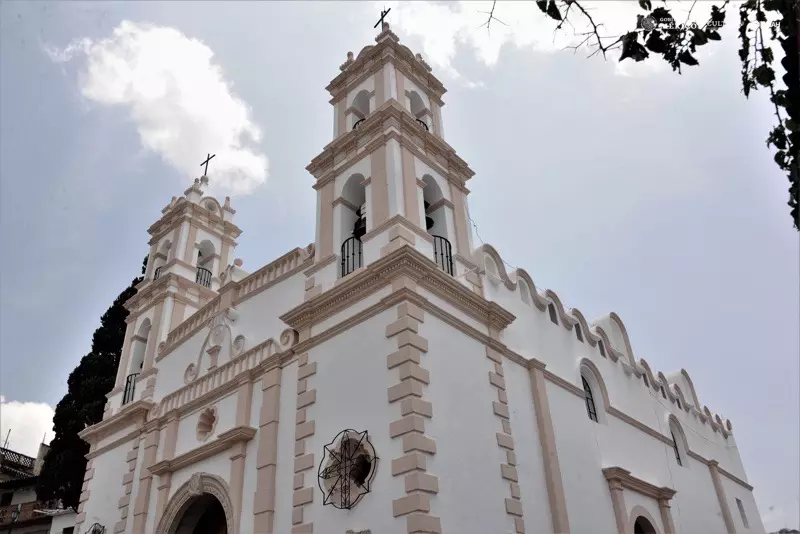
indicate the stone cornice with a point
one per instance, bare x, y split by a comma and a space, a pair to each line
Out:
623, 478
164, 282
405, 261
130, 414
196, 214
375, 56
401, 125
223, 442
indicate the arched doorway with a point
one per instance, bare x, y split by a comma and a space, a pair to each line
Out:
200, 506
642, 525
204, 515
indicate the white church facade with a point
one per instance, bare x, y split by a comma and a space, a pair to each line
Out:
390, 377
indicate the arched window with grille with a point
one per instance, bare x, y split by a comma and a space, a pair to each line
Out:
679, 445
591, 408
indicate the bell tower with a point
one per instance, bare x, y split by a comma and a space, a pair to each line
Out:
190, 247
388, 178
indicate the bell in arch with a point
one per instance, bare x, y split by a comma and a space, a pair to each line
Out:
360, 227
428, 220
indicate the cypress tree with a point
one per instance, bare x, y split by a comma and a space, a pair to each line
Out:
64, 466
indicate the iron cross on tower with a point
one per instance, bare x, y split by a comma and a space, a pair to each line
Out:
383, 15
209, 157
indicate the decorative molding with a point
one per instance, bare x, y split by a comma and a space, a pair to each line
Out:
130, 414
199, 484
628, 481
304, 460
405, 261
223, 442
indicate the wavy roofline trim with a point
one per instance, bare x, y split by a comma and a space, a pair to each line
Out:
594, 333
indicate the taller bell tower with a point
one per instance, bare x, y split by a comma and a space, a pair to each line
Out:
388, 178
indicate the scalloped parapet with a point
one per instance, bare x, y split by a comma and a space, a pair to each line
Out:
609, 329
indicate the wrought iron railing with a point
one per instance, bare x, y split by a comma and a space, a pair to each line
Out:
358, 123
130, 388
423, 124
443, 254
157, 273
351, 255
203, 277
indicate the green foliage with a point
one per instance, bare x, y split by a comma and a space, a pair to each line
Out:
658, 33
83, 405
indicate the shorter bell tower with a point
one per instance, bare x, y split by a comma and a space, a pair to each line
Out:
190, 247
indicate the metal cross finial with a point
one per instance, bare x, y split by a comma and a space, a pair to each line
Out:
208, 158
384, 12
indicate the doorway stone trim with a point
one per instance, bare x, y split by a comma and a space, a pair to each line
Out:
199, 484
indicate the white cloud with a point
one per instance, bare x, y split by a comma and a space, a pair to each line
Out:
444, 26
179, 99
29, 422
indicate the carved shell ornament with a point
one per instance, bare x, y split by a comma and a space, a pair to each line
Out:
220, 330
206, 423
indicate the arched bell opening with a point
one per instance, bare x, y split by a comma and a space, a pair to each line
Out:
360, 108
205, 263
350, 214
161, 258
436, 223
419, 110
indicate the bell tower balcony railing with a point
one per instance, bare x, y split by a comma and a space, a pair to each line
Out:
351, 255
358, 123
130, 388
157, 273
422, 124
203, 277
443, 254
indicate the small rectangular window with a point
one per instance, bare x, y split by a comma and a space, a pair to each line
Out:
602, 349
5, 499
741, 512
578, 333
552, 310
644, 377
678, 400
663, 393
68, 530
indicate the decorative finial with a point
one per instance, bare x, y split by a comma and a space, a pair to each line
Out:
209, 157
349, 56
227, 202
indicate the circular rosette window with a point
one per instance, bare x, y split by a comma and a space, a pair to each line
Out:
347, 469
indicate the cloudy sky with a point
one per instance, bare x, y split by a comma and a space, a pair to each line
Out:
638, 190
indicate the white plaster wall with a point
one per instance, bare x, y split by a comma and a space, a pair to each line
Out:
137, 473
372, 247
187, 427
695, 507
357, 307
394, 175
532, 334
390, 75
105, 488
579, 456
472, 491
530, 463
61, 522
734, 491
352, 381
284, 472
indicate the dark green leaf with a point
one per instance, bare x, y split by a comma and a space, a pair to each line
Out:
645, 4
542, 5
760, 16
552, 10
686, 57
777, 137
656, 44
764, 75
698, 37
631, 48
766, 55
713, 35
